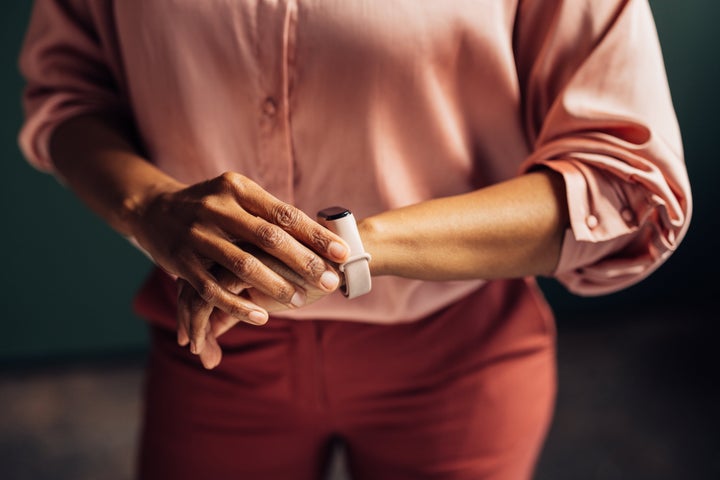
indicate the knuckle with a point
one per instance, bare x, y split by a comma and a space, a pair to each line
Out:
319, 240
314, 266
233, 181
269, 236
205, 203
285, 215
208, 291
237, 310
209, 204
245, 266
228, 177
284, 293
194, 231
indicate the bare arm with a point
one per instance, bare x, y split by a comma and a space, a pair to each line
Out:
187, 229
511, 229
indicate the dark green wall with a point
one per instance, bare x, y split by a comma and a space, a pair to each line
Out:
67, 279
690, 39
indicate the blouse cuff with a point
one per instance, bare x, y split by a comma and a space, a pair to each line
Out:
609, 245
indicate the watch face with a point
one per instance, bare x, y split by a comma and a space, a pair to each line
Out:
333, 213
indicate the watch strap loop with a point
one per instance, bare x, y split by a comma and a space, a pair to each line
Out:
355, 258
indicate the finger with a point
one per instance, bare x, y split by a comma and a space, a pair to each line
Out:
318, 238
270, 235
299, 258
221, 322
183, 338
214, 294
250, 270
212, 353
188, 303
193, 315
259, 298
229, 281
274, 264
259, 202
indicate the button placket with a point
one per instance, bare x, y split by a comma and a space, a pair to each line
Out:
275, 168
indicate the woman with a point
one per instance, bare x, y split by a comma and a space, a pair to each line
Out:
480, 143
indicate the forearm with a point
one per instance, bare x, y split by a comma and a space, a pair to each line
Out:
511, 229
95, 157
195, 231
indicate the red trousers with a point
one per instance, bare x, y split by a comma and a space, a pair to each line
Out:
466, 393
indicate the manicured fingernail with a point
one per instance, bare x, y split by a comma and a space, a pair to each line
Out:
257, 317
298, 300
329, 280
337, 250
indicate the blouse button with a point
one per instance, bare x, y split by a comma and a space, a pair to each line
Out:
627, 215
592, 221
269, 107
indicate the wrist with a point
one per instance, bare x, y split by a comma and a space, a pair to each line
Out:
356, 269
135, 204
371, 232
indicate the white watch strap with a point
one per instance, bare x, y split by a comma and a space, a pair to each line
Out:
357, 267
357, 275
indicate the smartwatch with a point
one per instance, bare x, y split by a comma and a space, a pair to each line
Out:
356, 268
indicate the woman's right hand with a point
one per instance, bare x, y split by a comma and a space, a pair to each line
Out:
188, 229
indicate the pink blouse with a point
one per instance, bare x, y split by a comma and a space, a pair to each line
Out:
376, 104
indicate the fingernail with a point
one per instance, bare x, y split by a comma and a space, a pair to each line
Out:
258, 318
337, 250
298, 300
329, 280
193, 347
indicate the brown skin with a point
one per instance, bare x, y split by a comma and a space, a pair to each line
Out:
507, 230
188, 229
239, 252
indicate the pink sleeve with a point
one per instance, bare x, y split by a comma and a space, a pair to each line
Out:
598, 111
64, 62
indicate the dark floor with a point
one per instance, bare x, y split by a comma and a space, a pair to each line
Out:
638, 400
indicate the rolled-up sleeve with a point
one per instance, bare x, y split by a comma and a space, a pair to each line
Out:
598, 111
65, 62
